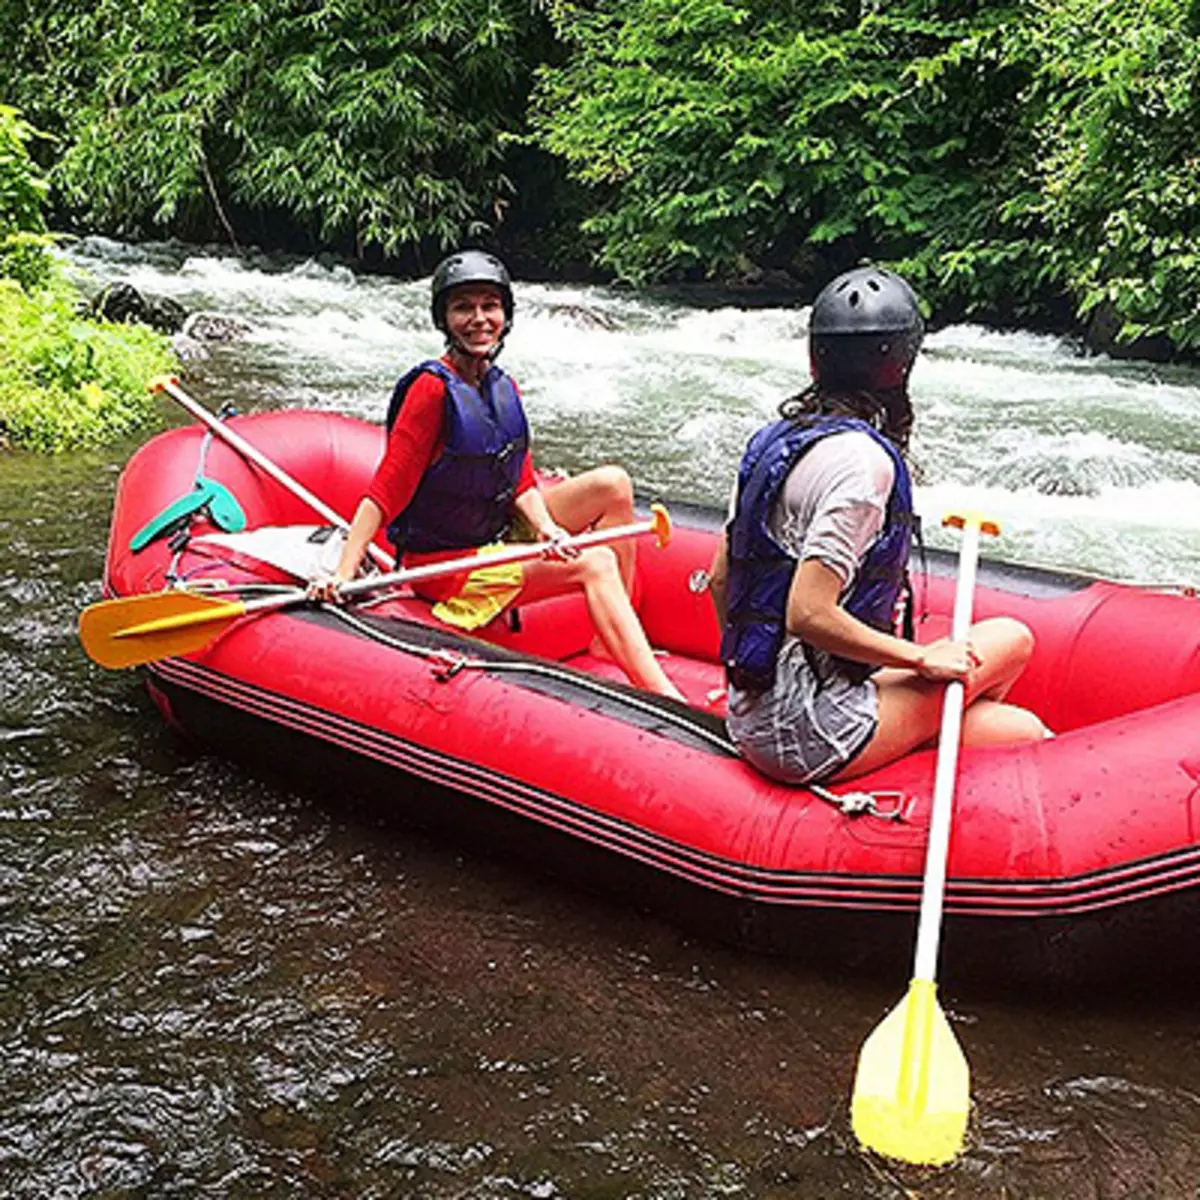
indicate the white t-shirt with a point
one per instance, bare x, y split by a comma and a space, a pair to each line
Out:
812, 719
834, 501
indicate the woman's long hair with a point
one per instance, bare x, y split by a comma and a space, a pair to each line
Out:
888, 410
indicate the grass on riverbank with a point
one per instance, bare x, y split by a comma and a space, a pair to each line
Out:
70, 382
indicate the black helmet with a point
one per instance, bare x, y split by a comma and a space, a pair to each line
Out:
864, 331
470, 266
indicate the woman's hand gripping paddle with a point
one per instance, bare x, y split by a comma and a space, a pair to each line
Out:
912, 1090
141, 629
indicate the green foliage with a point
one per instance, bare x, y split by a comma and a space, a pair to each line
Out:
1016, 157
369, 124
720, 130
67, 382
1118, 180
24, 241
1004, 154
22, 189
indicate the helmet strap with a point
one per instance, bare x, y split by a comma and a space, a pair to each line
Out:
455, 347
458, 348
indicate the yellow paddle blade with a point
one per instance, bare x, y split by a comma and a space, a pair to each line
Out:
141, 629
912, 1090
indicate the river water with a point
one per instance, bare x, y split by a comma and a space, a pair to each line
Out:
216, 987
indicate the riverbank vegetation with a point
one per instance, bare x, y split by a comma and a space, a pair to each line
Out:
66, 380
1031, 163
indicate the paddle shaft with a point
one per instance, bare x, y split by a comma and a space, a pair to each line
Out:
519, 552
170, 385
912, 1088
233, 610
937, 852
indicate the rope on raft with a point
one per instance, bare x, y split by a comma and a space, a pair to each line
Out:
884, 805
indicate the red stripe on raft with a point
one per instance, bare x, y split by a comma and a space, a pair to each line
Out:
965, 897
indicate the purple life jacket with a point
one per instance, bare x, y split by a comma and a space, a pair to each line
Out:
465, 498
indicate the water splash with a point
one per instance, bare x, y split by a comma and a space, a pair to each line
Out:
1094, 463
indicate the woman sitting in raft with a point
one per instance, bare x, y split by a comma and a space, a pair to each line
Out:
457, 475
813, 569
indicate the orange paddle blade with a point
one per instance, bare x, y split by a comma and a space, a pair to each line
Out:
140, 629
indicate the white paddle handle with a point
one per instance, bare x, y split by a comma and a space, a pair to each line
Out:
521, 552
933, 892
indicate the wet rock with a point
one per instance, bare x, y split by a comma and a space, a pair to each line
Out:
1104, 331
583, 317
123, 302
755, 278
1062, 483
215, 327
188, 349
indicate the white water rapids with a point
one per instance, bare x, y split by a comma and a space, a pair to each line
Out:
1089, 463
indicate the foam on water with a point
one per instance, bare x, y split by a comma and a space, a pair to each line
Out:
1094, 464
1161, 505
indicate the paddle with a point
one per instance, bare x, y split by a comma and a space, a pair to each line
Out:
170, 385
222, 505
171, 517
140, 629
912, 1090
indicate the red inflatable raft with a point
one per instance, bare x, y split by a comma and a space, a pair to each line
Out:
1077, 853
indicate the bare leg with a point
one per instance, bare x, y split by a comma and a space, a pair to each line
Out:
596, 571
991, 723
1004, 646
910, 708
600, 499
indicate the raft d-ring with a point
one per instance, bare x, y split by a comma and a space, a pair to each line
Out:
445, 664
886, 806
889, 806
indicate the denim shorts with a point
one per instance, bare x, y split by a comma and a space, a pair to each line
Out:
806, 726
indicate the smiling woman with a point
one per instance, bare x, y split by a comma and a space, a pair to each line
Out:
457, 476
